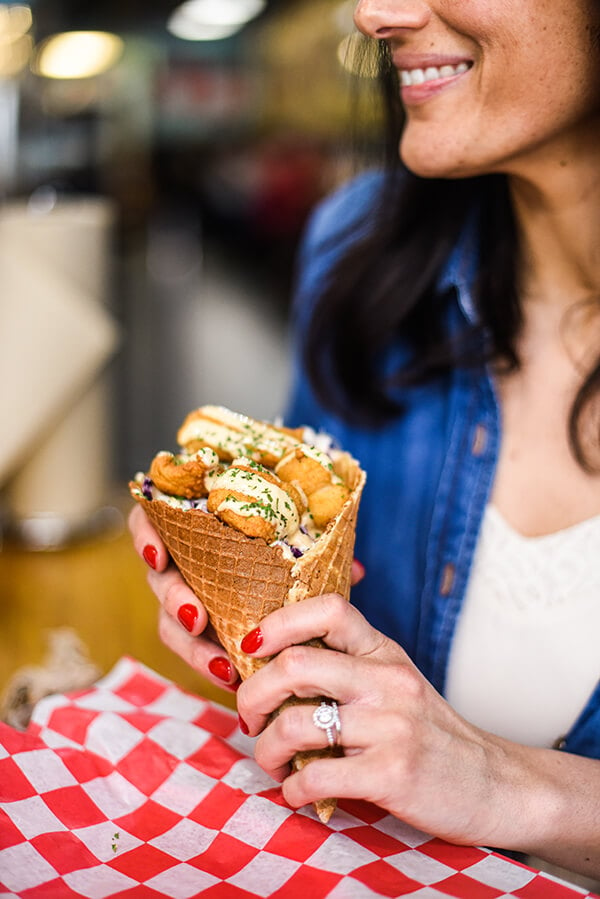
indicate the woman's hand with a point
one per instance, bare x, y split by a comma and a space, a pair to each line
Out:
182, 617
405, 748
183, 622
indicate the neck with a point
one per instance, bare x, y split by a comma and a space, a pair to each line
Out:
558, 216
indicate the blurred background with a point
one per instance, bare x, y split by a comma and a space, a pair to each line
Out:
157, 166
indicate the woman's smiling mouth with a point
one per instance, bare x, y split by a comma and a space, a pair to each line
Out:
413, 77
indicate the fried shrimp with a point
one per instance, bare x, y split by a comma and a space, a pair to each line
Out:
313, 471
230, 435
308, 467
254, 500
325, 503
184, 474
259, 479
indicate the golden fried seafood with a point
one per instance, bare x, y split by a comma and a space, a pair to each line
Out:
222, 470
308, 467
184, 475
325, 503
231, 434
254, 500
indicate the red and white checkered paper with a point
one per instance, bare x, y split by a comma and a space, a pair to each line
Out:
135, 789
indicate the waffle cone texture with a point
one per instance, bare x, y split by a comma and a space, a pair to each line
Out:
240, 580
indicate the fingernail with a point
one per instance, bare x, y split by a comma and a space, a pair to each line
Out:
221, 668
243, 726
188, 615
359, 567
150, 554
252, 641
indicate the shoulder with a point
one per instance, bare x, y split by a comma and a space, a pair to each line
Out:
335, 225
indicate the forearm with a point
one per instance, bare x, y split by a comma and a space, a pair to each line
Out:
549, 804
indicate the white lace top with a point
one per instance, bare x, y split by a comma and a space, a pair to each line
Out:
526, 653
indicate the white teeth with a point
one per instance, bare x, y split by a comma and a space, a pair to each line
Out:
420, 76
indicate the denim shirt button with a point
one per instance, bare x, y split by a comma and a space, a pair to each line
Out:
560, 743
447, 582
479, 444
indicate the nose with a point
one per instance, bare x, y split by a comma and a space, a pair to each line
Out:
379, 19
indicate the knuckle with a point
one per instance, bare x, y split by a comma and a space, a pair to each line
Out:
163, 628
398, 771
407, 733
261, 755
137, 522
334, 606
292, 662
408, 682
174, 595
198, 655
390, 760
154, 582
132, 520
290, 723
242, 702
401, 755
314, 778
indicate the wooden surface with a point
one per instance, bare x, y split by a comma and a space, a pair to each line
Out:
99, 589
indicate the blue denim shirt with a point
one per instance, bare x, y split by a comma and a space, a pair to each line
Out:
429, 471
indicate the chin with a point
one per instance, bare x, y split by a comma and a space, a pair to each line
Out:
433, 161
435, 168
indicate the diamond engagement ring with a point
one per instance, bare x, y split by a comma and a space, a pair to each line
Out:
326, 717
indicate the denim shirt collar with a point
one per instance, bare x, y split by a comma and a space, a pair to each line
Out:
460, 270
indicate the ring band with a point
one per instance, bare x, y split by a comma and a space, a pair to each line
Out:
327, 717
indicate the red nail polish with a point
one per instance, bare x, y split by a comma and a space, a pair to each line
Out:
221, 668
243, 726
150, 554
252, 641
188, 615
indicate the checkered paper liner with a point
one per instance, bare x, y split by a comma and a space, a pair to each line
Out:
135, 789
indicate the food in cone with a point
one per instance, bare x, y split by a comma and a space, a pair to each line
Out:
255, 517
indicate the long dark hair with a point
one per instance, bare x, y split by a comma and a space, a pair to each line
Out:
386, 286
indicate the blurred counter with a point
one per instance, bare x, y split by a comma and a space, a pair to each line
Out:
98, 588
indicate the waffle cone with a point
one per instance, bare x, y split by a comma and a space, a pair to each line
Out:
240, 580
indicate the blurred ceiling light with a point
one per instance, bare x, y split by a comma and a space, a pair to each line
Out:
188, 30
355, 54
210, 20
77, 54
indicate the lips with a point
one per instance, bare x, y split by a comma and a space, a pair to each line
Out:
422, 75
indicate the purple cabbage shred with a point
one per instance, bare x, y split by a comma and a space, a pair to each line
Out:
147, 488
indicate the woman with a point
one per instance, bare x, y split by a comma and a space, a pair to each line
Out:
448, 313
